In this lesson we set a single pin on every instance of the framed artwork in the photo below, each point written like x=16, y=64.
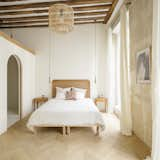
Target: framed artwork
x=143, y=66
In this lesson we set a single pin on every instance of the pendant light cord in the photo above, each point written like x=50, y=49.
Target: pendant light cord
x=95, y=57
x=50, y=56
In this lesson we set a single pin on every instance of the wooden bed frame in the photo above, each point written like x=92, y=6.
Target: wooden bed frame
x=85, y=84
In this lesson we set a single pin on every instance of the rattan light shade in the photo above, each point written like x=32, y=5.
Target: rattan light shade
x=61, y=18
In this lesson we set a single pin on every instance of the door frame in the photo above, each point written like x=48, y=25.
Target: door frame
x=19, y=65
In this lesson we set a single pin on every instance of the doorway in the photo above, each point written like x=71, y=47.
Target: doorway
x=13, y=90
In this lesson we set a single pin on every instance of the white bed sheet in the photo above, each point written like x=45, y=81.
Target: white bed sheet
x=66, y=113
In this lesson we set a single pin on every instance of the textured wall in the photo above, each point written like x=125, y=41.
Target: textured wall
x=141, y=38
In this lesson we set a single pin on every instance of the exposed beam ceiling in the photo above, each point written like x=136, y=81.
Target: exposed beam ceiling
x=10, y=0
x=47, y=4
x=110, y=11
x=85, y=8
x=27, y=13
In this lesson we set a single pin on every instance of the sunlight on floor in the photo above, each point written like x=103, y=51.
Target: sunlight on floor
x=19, y=144
x=12, y=118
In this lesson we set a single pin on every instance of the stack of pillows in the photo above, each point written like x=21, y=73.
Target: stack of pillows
x=70, y=93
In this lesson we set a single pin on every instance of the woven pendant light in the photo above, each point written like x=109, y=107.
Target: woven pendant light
x=61, y=18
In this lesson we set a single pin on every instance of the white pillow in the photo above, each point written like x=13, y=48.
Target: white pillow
x=61, y=92
x=80, y=93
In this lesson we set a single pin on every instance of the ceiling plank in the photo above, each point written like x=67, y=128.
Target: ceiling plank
x=85, y=8
x=31, y=26
x=110, y=11
x=90, y=18
x=21, y=19
x=47, y=4
x=25, y=22
x=46, y=21
x=94, y=13
x=90, y=13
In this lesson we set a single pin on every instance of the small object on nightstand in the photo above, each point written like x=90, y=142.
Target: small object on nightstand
x=102, y=99
x=39, y=100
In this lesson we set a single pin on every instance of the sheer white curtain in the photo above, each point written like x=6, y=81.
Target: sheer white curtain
x=125, y=118
x=156, y=80
x=110, y=70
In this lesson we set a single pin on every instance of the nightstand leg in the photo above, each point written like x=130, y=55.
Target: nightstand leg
x=35, y=130
x=106, y=106
x=64, y=130
x=37, y=105
x=68, y=130
x=98, y=130
x=34, y=105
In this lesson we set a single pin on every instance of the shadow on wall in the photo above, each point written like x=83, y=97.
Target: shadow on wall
x=13, y=90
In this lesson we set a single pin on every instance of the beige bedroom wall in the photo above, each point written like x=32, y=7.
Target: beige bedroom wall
x=141, y=38
x=66, y=56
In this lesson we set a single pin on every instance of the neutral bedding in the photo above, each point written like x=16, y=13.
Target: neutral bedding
x=66, y=113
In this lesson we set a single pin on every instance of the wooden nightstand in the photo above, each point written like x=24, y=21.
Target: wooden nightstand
x=39, y=100
x=102, y=99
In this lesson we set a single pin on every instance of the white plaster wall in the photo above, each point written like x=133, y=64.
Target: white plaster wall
x=66, y=56
x=28, y=79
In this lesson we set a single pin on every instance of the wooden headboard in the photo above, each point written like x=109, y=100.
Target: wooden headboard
x=85, y=84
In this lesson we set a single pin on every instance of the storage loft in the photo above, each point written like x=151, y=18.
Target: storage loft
x=15, y=42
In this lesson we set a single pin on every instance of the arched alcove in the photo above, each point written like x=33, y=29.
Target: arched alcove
x=14, y=108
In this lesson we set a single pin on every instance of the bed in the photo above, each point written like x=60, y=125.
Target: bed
x=67, y=113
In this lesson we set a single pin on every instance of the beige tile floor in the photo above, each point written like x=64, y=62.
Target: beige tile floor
x=12, y=118
x=19, y=144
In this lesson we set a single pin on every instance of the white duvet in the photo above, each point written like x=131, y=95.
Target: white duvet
x=66, y=113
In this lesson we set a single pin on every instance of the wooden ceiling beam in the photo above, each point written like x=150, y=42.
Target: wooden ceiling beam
x=25, y=22
x=90, y=18
x=108, y=15
x=95, y=13
x=10, y=0
x=28, y=26
x=41, y=25
x=22, y=19
x=47, y=4
x=5, y=20
x=85, y=8
x=45, y=20
x=90, y=13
